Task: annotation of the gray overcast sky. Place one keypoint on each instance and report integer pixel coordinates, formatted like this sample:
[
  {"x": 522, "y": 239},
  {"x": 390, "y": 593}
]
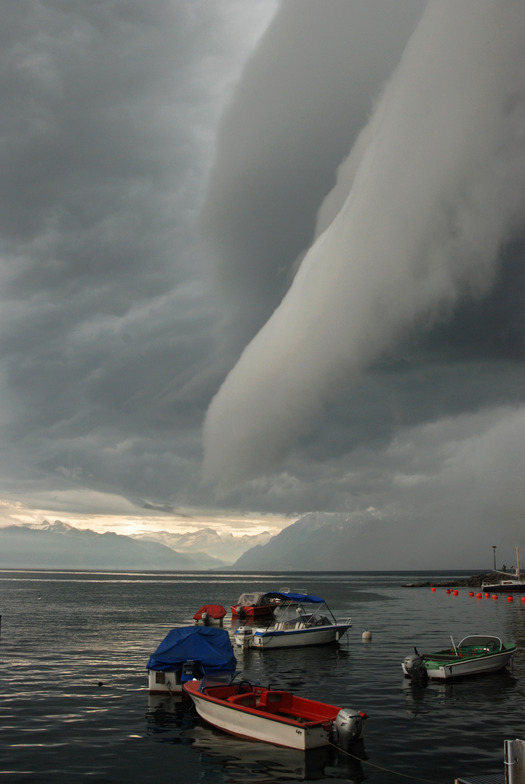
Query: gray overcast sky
[{"x": 280, "y": 240}]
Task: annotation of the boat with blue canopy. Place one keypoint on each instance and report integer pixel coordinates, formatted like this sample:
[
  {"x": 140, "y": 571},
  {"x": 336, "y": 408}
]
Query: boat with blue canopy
[{"x": 299, "y": 619}]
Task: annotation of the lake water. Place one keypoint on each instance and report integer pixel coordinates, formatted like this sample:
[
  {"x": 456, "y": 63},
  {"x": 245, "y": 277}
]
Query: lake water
[{"x": 75, "y": 708}]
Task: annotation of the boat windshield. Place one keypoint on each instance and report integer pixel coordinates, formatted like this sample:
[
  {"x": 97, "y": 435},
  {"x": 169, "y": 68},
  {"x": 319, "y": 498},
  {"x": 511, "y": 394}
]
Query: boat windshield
[
  {"x": 210, "y": 679},
  {"x": 312, "y": 614},
  {"x": 481, "y": 640}
]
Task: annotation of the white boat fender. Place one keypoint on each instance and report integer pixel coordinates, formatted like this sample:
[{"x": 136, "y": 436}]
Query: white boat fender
[{"x": 348, "y": 727}]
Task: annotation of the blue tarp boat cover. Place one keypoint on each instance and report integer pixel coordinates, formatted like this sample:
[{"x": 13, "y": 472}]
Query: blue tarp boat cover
[
  {"x": 296, "y": 597},
  {"x": 209, "y": 646}
]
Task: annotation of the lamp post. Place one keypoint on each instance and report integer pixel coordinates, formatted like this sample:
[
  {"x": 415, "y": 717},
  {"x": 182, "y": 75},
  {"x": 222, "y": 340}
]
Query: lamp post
[{"x": 494, "y": 552}]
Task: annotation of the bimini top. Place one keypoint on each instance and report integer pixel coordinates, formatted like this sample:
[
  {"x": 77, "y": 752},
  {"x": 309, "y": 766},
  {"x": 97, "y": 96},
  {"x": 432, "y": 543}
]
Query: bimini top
[
  {"x": 209, "y": 646},
  {"x": 300, "y": 598}
]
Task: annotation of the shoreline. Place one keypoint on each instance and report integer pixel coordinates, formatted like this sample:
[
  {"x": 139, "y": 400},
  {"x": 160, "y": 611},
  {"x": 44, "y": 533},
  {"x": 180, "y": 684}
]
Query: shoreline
[{"x": 475, "y": 581}]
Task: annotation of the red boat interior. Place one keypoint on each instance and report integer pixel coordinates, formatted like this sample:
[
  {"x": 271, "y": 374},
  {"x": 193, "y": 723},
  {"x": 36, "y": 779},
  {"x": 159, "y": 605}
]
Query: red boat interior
[{"x": 274, "y": 701}]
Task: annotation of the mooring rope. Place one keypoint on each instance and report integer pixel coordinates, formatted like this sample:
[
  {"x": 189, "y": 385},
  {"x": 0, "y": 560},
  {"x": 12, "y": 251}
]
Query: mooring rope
[{"x": 385, "y": 770}]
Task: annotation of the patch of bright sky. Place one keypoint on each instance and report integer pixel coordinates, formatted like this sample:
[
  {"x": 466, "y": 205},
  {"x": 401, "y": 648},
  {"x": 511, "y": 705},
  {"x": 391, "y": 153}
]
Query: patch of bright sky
[{"x": 187, "y": 521}]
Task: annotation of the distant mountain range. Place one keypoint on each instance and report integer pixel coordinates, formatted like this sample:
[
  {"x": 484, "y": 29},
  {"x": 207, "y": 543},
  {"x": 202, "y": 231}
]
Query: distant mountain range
[
  {"x": 316, "y": 542},
  {"x": 362, "y": 542},
  {"x": 322, "y": 541},
  {"x": 61, "y": 546},
  {"x": 225, "y": 547}
]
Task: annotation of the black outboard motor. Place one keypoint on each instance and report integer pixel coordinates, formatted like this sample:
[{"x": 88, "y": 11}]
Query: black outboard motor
[
  {"x": 347, "y": 728},
  {"x": 413, "y": 667}
]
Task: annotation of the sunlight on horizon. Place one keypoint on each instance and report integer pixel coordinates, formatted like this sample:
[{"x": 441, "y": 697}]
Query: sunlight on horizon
[{"x": 235, "y": 523}]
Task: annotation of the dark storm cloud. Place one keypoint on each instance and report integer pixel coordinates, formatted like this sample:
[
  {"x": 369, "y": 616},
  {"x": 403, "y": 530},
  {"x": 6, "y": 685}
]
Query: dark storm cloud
[{"x": 106, "y": 135}]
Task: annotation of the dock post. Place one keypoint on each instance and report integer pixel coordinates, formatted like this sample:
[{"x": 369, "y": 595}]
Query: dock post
[{"x": 514, "y": 759}]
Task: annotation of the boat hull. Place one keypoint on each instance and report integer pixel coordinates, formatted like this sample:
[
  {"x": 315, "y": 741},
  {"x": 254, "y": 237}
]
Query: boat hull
[
  {"x": 475, "y": 655},
  {"x": 505, "y": 587},
  {"x": 164, "y": 682},
  {"x": 303, "y": 725},
  {"x": 457, "y": 669},
  {"x": 298, "y": 638},
  {"x": 260, "y": 728}
]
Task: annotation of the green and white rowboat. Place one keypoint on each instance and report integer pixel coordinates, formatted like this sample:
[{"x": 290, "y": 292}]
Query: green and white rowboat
[{"x": 474, "y": 655}]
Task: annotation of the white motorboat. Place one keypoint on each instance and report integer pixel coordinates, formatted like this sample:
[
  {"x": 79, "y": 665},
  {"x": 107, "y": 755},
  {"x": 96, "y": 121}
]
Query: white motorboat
[
  {"x": 299, "y": 619},
  {"x": 274, "y": 716}
]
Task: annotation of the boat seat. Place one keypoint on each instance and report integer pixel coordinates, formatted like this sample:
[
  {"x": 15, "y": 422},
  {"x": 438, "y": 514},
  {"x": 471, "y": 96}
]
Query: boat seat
[
  {"x": 247, "y": 700},
  {"x": 276, "y": 700}
]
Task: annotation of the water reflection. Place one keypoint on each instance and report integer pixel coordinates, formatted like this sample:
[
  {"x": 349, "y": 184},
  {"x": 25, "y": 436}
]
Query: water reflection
[
  {"x": 247, "y": 761},
  {"x": 493, "y": 687},
  {"x": 168, "y": 717}
]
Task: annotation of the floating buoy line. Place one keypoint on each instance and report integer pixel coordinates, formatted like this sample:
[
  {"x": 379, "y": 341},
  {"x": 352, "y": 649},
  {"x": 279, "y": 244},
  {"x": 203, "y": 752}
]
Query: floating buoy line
[{"x": 494, "y": 596}]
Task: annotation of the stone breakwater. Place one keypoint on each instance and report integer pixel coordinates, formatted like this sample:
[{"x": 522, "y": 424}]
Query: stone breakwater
[{"x": 475, "y": 581}]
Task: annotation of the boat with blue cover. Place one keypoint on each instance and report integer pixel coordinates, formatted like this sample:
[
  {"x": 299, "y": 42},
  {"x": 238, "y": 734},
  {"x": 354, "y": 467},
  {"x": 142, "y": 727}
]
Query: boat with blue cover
[{"x": 189, "y": 652}]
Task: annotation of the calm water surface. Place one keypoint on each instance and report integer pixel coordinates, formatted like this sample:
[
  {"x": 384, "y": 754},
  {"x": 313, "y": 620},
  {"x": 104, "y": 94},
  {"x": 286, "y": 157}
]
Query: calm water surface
[{"x": 74, "y": 703}]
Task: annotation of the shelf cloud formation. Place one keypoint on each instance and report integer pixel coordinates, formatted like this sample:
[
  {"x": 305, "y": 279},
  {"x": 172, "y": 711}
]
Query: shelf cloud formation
[{"x": 427, "y": 198}]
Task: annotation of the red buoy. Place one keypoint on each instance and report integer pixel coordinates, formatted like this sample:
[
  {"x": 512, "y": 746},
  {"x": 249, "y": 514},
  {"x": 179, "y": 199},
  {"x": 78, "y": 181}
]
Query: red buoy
[
  {"x": 455, "y": 593},
  {"x": 510, "y": 599},
  {"x": 478, "y": 596},
  {"x": 471, "y": 593},
  {"x": 494, "y": 595},
  {"x": 487, "y": 596},
  {"x": 448, "y": 590},
  {"x": 435, "y": 589}
]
